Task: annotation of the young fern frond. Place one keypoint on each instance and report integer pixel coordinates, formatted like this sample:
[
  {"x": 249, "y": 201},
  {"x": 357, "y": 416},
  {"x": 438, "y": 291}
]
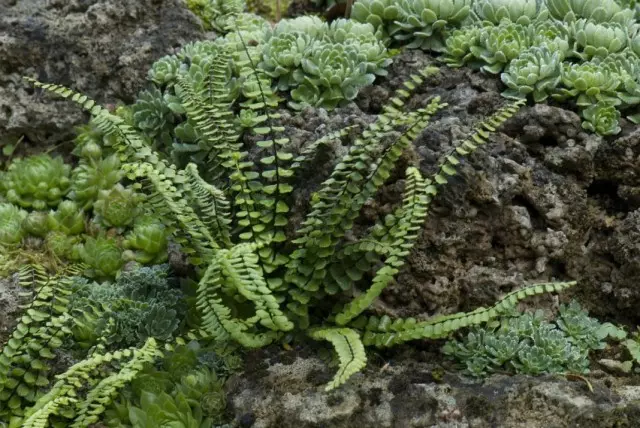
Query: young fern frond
[
  {"x": 410, "y": 221},
  {"x": 210, "y": 110},
  {"x": 129, "y": 143},
  {"x": 350, "y": 352},
  {"x": 212, "y": 205},
  {"x": 63, "y": 399},
  {"x": 384, "y": 332},
  {"x": 89, "y": 410}
]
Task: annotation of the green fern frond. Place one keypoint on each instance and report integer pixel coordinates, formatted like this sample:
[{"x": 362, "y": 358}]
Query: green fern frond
[
  {"x": 63, "y": 399},
  {"x": 41, "y": 329},
  {"x": 216, "y": 316},
  {"x": 339, "y": 201},
  {"x": 89, "y": 410},
  {"x": 383, "y": 332},
  {"x": 480, "y": 136},
  {"x": 350, "y": 352},
  {"x": 212, "y": 204},
  {"x": 168, "y": 199},
  {"x": 410, "y": 221}
]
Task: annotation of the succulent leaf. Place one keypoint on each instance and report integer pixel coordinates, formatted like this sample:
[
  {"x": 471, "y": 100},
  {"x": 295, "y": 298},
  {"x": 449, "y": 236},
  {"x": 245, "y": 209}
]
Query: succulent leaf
[{"x": 11, "y": 220}]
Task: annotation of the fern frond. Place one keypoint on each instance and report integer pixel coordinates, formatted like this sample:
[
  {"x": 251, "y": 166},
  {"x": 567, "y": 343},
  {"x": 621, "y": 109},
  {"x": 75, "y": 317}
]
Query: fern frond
[
  {"x": 410, "y": 221},
  {"x": 339, "y": 201},
  {"x": 128, "y": 142},
  {"x": 40, "y": 330},
  {"x": 350, "y": 352},
  {"x": 216, "y": 316},
  {"x": 212, "y": 204},
  {"x": 168, "y": 200},
  {"x": 480, "y": 136},
  {"x": 63, "y": 400},
  {"x": 383, "y": 332},
  {"x": 89, "y": 410}
]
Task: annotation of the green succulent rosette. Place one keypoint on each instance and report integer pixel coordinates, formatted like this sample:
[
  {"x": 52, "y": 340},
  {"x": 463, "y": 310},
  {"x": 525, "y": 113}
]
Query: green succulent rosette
[
  {"x": 601, "y": 118},
  {"x": 102, "y": 255},
  {"x": 68, "y": 219},
  {"x": 90, "y": 177},
  {"x": 590, "y": 82},
  {"x": 535, "y": 72},
  {"x": 593, "y": 10},
  {"x": 117, "y": 207},
  {"x": 518, "y": 11},
  {"x": 422, "y": 23},
  {"x": 601, "y": 40},
  {"x": 382, "y": 14},
  {"x": 11, "y": 220},
  {"x": 499, "y": 45},
  {"x": 458, "y": 46},
  {"x": 37, "y": 182},
  {"x": 147, "y": 242}
]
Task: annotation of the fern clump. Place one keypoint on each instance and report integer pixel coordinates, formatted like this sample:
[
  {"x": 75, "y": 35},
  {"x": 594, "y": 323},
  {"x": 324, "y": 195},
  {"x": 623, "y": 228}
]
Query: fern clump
[
  {"x": 37, "y": 182},
  {"x": 25, "y": 358},
  {"x": 531, "y": 345},
  {"x": 257, "y": 282}
]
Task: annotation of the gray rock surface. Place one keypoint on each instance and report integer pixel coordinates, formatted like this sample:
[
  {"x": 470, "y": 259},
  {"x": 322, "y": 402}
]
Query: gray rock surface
[
  {"x": 101, "y": 48},
  {"x": 286, "y": 390}
]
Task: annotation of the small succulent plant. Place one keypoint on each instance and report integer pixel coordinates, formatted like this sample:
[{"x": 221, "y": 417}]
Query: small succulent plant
[
  {"x": 590, "y": 82},
  {"x": 498, "y": 45},
  {"x": 37, "y": 182},
  {"x": 68, "y": 219},
  {"x": 536, "y": 71},
  {"x": 164, "y": 71},
  {"x": 421, "y": 23},
  {"x": 11, "y": 219},
  {"x": 380, "y": 13},
  {"x": 102, "y": 255},
  {"x": 458, "y": 46},
  {"x": 601, "y": 118},
  {"x": 152, "y": 115},
  {"x": 36, "y": 224},
  {"x": 90, "y": 177},
  {"x": 599, "y": 39},
  {"x": 519, "y": 11},
  {"x": 594, "y": 10},
  {"x": 147, "y": 242},
  {"x": 531, "y": 345},
  {"x": 117, "y": 207}
]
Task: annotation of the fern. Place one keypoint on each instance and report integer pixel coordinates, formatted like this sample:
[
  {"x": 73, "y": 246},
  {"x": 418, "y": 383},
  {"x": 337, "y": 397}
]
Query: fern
[
  {"x": 257, "y": 285},
  {"x": 63, "y": 400},
  {"x": 350, "y": 352},
  {"x": 40, "y": 331}
]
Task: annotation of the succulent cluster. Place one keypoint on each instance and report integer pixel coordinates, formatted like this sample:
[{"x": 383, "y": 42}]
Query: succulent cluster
[
  {"x": 323, "y": 64},
  {"x": 529, "y": 344},
  {"x": 84, "y": 214},
  {"x": 415, "y": 23},
  {"x": 570, "y": 50},
  {"x": 140, "y": 304}
]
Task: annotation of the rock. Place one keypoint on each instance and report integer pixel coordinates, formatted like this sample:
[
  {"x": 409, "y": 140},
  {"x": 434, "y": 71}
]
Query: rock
[
  {"x": 9, "y": 306},
  {"x": 101, "y": 48},
  {"x": 289, "y": 393}
]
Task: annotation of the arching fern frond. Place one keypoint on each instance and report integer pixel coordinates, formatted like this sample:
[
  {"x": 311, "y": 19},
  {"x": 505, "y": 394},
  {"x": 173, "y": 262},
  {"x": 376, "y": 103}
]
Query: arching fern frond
[
  {"x": 63, "y": 399},
  {"x": 168, "y": 199},
  {"x": 409, "y": 222},
  {"x": 350, "y": 352},
  {"x": 383, "y": 332},
  {"x": 212, "y": 205}
]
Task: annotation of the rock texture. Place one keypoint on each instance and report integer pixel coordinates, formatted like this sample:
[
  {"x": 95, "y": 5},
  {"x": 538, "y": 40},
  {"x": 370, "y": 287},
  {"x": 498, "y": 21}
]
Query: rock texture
[
  {"x": 101, "y": 48},
  {"x": 286, "y": 390}
]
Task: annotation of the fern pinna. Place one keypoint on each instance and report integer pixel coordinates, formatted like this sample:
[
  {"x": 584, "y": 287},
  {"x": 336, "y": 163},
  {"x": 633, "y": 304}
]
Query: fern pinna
[{"x": 257, "y": 283}]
